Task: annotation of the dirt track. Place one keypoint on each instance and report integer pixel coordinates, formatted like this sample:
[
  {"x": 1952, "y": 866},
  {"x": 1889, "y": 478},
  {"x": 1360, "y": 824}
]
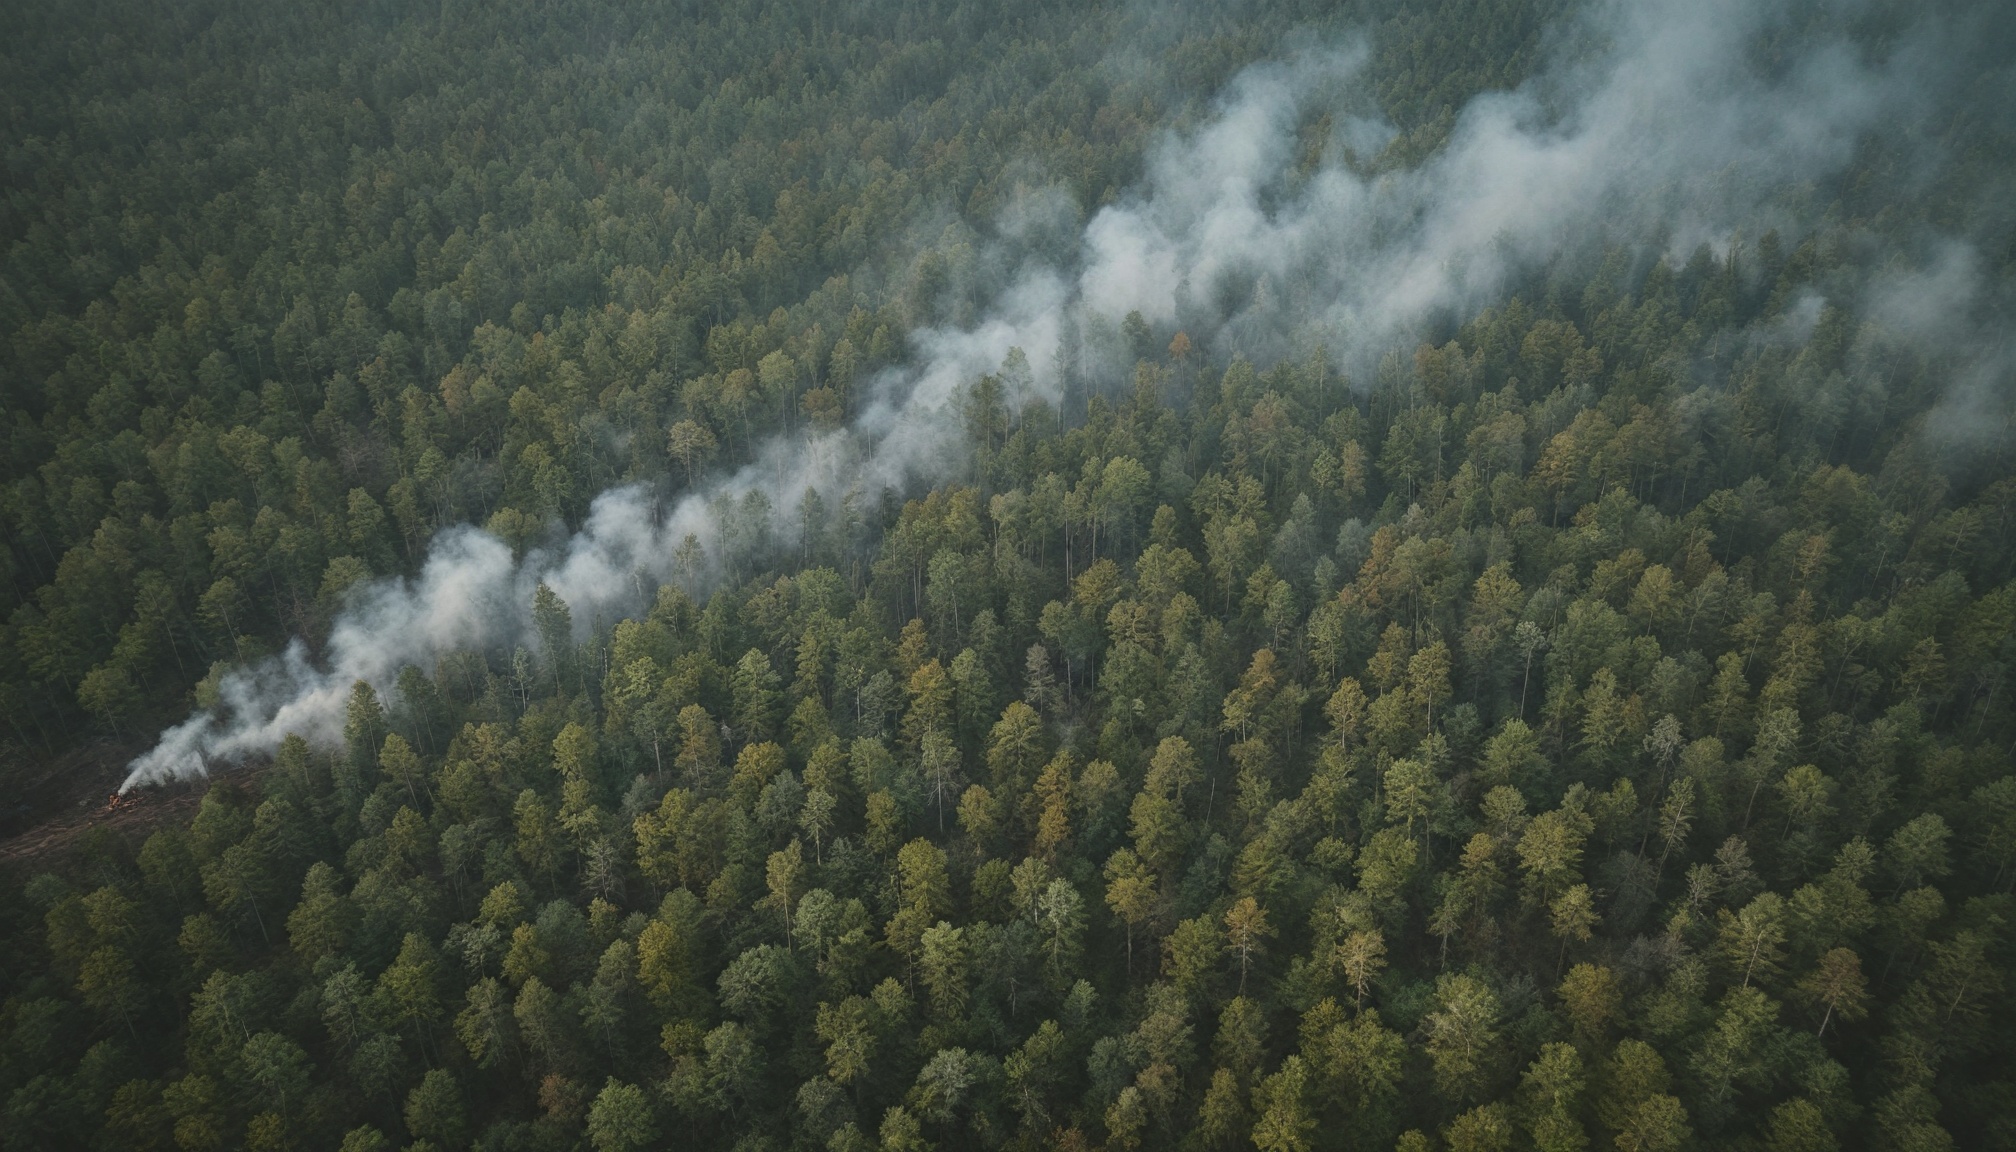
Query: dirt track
[
  {"x": 51, "y": 805},
  {"x": 57, "y": 835}
]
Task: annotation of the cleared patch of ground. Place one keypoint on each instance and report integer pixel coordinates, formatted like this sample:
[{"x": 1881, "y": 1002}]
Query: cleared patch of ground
[{"x": 48, "y": 807}]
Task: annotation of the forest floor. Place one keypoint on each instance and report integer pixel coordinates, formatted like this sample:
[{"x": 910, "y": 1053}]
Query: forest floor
[{"x": 49, "y": 806}]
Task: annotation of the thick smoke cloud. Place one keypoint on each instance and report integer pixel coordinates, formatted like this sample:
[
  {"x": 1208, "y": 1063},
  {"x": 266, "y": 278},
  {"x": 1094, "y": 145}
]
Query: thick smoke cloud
[
  {"x": 1670, "y": 127},
  {"x": 1673, "y": 131}
]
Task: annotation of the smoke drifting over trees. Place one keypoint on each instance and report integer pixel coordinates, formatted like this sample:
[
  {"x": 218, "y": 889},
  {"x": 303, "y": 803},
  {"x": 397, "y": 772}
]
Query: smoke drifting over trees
[
  {"x": 1320, "y": 578},
  {"x": 1648, "y": 119}
]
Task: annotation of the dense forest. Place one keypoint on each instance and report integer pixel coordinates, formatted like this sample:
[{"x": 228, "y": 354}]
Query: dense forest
[{"x": 1585, "y": 727}]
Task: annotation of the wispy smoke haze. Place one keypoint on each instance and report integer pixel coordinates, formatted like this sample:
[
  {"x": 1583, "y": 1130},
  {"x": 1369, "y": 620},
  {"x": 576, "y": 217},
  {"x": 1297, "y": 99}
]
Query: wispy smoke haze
[{"x": 1672, "y": 128}]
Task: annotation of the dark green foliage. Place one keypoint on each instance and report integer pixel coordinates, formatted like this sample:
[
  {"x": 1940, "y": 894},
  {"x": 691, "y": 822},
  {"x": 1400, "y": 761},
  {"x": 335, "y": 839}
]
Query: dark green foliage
[{"x": 1527, "y": 748}]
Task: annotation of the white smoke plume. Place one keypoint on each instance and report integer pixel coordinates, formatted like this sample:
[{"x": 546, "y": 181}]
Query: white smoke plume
[
  {"x": 472, "y": 594},
  {"x": 1674, "y": 131},
  {"x": 1671, "y": 127}
]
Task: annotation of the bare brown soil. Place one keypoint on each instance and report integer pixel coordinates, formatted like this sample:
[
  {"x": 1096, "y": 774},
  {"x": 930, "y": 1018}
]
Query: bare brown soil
[{"x": 47, "y": 807}]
